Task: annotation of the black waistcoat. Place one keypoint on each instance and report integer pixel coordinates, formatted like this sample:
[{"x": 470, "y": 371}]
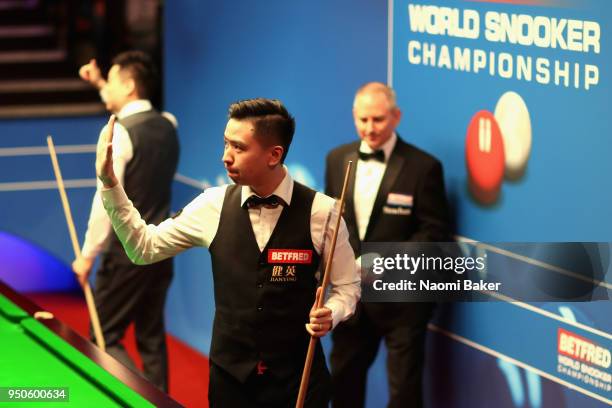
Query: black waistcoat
[
  {"x": 149, "y": 174},
  {"x": 263, "y": 299}
]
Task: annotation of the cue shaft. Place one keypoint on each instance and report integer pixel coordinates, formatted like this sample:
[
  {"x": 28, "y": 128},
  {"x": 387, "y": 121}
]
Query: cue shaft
[
  {"x": 91, "y": 306},
  {"x": 326, "y": 277}
]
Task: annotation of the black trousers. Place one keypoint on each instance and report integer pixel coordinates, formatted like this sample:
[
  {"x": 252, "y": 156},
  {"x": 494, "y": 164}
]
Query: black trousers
[
  {"x": 268, "y": 391},
  {"x": 126, "y": 293},
  {"x": 355, "y": 345}
]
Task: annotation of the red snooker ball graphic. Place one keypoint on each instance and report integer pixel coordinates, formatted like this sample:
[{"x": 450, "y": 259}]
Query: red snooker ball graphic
[{"x": 484, "y": 157}]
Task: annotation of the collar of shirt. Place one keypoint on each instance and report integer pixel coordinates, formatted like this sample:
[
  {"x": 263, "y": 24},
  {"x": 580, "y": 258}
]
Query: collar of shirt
[
  {"x": 134, "y": 107},
  {"x": 284, "y": 190},
  {"x": 387, "y": 147}
]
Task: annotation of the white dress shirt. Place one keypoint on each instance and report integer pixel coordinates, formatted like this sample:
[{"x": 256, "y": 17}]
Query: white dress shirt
[
  {"x": 368, "y": 176},
  {"x": 198, "y": 223}
]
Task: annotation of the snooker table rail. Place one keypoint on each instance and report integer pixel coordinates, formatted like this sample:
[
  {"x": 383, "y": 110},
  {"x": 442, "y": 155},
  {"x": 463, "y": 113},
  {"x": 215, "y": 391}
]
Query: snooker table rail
[{"x": 123, "y": 386}]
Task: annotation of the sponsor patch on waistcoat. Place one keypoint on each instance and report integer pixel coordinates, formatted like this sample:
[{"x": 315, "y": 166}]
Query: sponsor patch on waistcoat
[{"x": 290, "y": 256}]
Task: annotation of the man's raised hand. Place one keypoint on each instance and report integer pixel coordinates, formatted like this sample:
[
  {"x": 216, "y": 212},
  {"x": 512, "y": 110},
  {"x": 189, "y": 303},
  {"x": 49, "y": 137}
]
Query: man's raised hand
[
  {"x": 104, "y": 156},
  {"x": 91, "y": 73}
]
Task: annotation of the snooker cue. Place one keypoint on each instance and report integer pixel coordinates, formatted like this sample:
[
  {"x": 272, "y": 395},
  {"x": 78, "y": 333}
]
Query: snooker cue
[
  {"x": 93, "y": 313},
  {"x": 326, "y": 276}
]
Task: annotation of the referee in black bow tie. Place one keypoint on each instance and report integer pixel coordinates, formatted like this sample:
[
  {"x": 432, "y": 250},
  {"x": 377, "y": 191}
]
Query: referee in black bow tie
[{"x": 391, "y": 174}]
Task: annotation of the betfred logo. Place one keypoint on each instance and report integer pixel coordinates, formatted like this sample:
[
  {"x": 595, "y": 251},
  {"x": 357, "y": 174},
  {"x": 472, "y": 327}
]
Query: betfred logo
[
  {"x": 580, "y": 348},
  {"x": 292, "y": 256}
]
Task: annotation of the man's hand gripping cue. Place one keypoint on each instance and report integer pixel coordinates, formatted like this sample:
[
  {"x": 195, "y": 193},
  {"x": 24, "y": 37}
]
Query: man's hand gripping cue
[{"x": 320, "y": 319}]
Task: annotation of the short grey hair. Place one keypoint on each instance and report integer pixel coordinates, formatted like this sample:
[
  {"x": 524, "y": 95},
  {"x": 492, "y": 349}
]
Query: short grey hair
[{"x": 377, "y": 87}]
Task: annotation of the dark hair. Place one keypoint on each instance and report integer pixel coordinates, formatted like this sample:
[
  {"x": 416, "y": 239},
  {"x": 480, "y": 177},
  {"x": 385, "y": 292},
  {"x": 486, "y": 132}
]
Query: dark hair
[
  {"x": 142, "y": 69},
  {"x": 270, "y": 119}
]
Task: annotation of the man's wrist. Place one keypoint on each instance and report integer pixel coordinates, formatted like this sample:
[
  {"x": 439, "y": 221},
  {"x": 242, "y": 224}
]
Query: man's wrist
[
  {"x": 109, "y": 183},
  {"x": 88, "y": 259},
  {"x": 87, "y": 254}
]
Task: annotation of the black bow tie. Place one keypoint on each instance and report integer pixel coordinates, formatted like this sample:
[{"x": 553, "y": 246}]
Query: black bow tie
[
  {"x": 375, "y": 155},
  {"x": 255, "y": 201}
]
